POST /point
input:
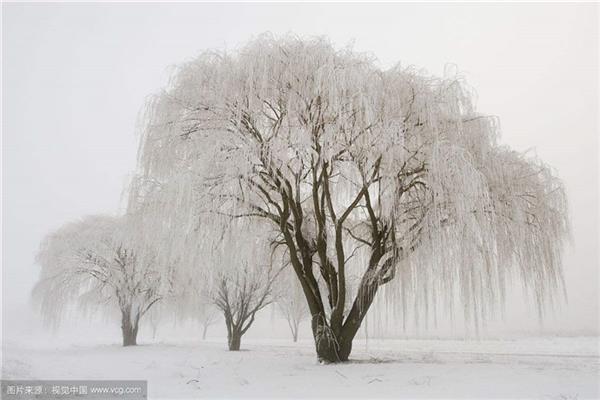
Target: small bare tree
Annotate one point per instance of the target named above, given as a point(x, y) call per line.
point(96, 263)
point(244, 280)
point(240, 294)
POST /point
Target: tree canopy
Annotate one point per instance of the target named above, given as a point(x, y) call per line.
point(366, 176)
point(100, 264)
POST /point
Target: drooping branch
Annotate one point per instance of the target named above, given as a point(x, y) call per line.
point(390, 177)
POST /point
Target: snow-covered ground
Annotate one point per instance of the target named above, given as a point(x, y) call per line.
point(540, 368)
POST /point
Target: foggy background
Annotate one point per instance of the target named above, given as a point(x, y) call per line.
point(75, 76)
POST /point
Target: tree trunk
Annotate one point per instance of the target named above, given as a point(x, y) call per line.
point(234, 339)
point(234, 332)
point(330, 347)
point(335, 345)
point(204, 332)
point(293, 324)
point(333, 350)
point(128, 329)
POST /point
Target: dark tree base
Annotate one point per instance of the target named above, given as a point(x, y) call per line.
point(329, 352)
point(234, 341)
point(128, 341)
point(129, 332)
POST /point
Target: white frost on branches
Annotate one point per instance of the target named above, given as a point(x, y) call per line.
point(367, 176)
point(98, 263)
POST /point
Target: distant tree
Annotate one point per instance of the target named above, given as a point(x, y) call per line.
point(198, 306)
point(243, 284)
point(95, 262)
point(181, 307)
point(154, 316)
point(240, 294)
point(367, 176)
point(207, 316)
point(292, 305)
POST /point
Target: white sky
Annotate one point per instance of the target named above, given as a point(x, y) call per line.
point(76, 75)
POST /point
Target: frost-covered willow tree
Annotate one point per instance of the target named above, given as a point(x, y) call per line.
point(98, 263)
point(369, 177)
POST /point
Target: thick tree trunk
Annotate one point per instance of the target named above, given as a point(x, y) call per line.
point(334, 352)
point(295, 335)
point(331, 348)
point(335, 344)
point(234, 339)
point(234, 332)
point(129, 330)
point(334, 335)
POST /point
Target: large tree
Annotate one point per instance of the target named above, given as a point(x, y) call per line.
point(369, 177)
point(97, 262)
